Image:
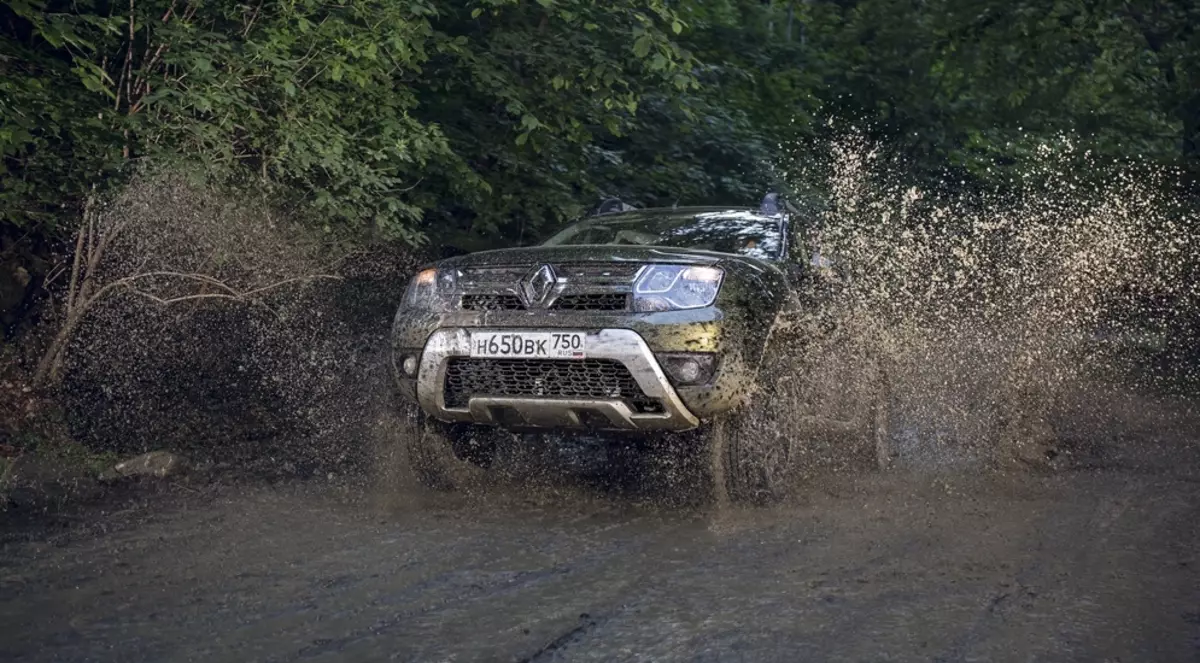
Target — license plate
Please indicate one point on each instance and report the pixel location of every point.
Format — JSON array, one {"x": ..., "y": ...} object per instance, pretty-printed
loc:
[{"x": 541, "y": 345}]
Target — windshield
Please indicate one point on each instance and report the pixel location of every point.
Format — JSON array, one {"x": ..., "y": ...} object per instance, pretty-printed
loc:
[{"x": 742, "y": 233}]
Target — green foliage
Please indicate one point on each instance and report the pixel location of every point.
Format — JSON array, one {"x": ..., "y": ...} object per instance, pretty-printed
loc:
[
  {"x": 337, "y": 107},
  {"x": 54, "y": 136},
  {"x": 305, "y": 94},
  {"x": 525, "y": 94},
  {"x": 475, "y": 121},
  {"x": 977, "y": 85}
]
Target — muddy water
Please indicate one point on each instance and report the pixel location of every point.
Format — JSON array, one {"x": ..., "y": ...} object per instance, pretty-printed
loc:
[
  {"x": 994, "y": 318},
  {"x": 1098, "y": 561}
]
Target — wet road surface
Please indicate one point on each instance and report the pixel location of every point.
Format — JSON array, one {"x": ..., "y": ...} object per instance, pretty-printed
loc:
[{"x": 1096, "y": 563}]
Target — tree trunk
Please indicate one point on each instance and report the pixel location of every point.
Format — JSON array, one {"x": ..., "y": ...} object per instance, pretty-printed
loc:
[{"x": 49, "y": 368}]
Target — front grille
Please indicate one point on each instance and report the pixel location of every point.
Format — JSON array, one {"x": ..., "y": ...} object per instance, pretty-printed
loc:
[
  {"x": 492, "y": 303},
  {"x": 614, "y": 301},
  {"x": 548, "y": 378},
  {"x": 608, "y": 301},
  {"x": 491, "y": 275},
  {"x": 584, "y": 287},
  {"x": 600, "y": 273}
]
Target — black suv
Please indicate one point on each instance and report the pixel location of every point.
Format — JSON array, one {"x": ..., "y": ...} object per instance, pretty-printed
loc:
[{"x": 648, "y": 322}]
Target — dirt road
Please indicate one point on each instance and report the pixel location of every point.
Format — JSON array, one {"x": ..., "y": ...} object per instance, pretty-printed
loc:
[{"x": 1099, "y": 562}]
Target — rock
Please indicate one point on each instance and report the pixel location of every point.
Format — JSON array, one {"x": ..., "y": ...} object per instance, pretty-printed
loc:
[
  {"x": 38, "y": 469},
  {"x": 38, "y": 481},
  {"x": 158, "y": 464},
  {"x": 109, "y": 475}
]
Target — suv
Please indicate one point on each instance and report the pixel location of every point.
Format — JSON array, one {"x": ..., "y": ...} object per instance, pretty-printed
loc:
[{"x": 650, "y": 322}]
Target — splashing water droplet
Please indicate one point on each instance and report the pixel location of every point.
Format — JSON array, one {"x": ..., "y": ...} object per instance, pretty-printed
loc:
[{"x": 996, "y": 317}]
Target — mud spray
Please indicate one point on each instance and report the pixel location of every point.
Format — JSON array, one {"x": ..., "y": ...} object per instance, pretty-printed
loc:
[
  {"x": 239, "y": 336},
  {"x": 987, "y": 328},
  {"x": 993, "y": 327}
]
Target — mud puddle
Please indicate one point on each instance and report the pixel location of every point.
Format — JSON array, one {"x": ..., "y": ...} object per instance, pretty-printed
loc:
[{"x": 1096, "y": 561}]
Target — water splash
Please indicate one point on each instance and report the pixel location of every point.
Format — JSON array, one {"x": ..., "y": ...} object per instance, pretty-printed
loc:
[
  {"x": 987, "y": 323},
  {"x": 990, "y": 320},
  {"x": 285, "y": 377}
]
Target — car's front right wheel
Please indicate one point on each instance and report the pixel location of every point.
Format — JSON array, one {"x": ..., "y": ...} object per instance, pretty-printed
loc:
[{"x": 747, "y": 463}]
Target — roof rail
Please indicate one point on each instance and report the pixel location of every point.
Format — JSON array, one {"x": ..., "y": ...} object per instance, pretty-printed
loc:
[{"x": 613, "y": 206}]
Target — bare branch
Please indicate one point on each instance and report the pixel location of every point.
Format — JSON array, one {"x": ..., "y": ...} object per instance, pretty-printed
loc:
[
  {"x": 184, "y": 298},
  {"x": 148, "y": 62},
  {"x": 141, "y": 85},
  {"x": 250, "y": 23},
  {"x": 202, "y": 278},
  {"x": 77, "y": 261},
  {"x": 56, "y": 271},
  {"x": 129, "y": 60},
  {"x": 230, "y": 293},
  {"x": 284, "y": 282},
  {"x": 127, "y": 67},
  {"x": 167, "y": 301},
  {"x": 407, "y": 188},
  {"x": 95, "y": 255},
  {"x": 89, "y": 217}
]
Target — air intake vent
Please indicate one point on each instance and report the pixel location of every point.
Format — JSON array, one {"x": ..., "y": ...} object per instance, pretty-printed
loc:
[
  {"x": 613, "y": 301},
  {"x": 546, "y": 378},
  {"x": 492, "y": 303}
]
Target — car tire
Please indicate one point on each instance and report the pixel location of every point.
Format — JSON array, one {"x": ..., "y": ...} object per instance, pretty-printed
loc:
[
  {"x": 435, "y": 454},
  {"x": 749, "y": 460},
  {"x": 747, "y": 465}
]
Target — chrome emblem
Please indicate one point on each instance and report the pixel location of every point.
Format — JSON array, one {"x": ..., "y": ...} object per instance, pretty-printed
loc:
[{"x": 538, "y": 286}]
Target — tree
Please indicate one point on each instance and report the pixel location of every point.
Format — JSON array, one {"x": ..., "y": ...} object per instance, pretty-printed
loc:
[
  {"x": 527, "y": 93},
  {"x": 339, "y": 108},
  {"x": 976, "y": 86}
]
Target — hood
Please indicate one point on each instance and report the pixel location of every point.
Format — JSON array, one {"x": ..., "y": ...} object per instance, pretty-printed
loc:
[{"x": 598, "y": 253}]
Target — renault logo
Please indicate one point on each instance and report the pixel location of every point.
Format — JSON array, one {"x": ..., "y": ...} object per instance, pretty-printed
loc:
[{"x": 538, "y": 286}]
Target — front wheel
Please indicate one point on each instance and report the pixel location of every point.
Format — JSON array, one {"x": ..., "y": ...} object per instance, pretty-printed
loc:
[
  {"x": 747, "y": 463},
  {"x": 443, "y": 457}
]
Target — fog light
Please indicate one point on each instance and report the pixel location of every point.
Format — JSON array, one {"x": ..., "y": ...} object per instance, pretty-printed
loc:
[
  {"x": 409, "y": 366},
  {"x": 689, "y": 368}
]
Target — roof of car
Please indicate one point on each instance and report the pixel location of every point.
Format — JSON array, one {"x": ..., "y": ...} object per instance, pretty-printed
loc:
[{"x": 677, "y": 211}]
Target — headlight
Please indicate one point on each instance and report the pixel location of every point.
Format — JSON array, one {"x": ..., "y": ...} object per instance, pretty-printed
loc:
[
  {"x": 676, "y": 287},
  {"x": 432, "y": 290}
]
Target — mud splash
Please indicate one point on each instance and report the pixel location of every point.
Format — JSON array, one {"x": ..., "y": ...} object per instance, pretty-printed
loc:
[
  {"x": 988, "y": 326},
  {"x": 991, "y": 326},
  {"x": 239, "y": 336}
]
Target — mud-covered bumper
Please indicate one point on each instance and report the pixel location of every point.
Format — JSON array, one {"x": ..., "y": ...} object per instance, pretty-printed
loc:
[
  {"x": 733, "y": 342},
  {"x": 622, "y": 346}
]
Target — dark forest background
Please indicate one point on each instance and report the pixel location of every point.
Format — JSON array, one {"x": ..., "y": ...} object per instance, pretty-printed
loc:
[
  {"x": 472, "y": 122},
  {"x": 384, "y": 129}
]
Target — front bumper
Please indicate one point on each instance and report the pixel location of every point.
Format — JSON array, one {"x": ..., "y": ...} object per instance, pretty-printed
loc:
[{"x": 621, "y": 345}]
